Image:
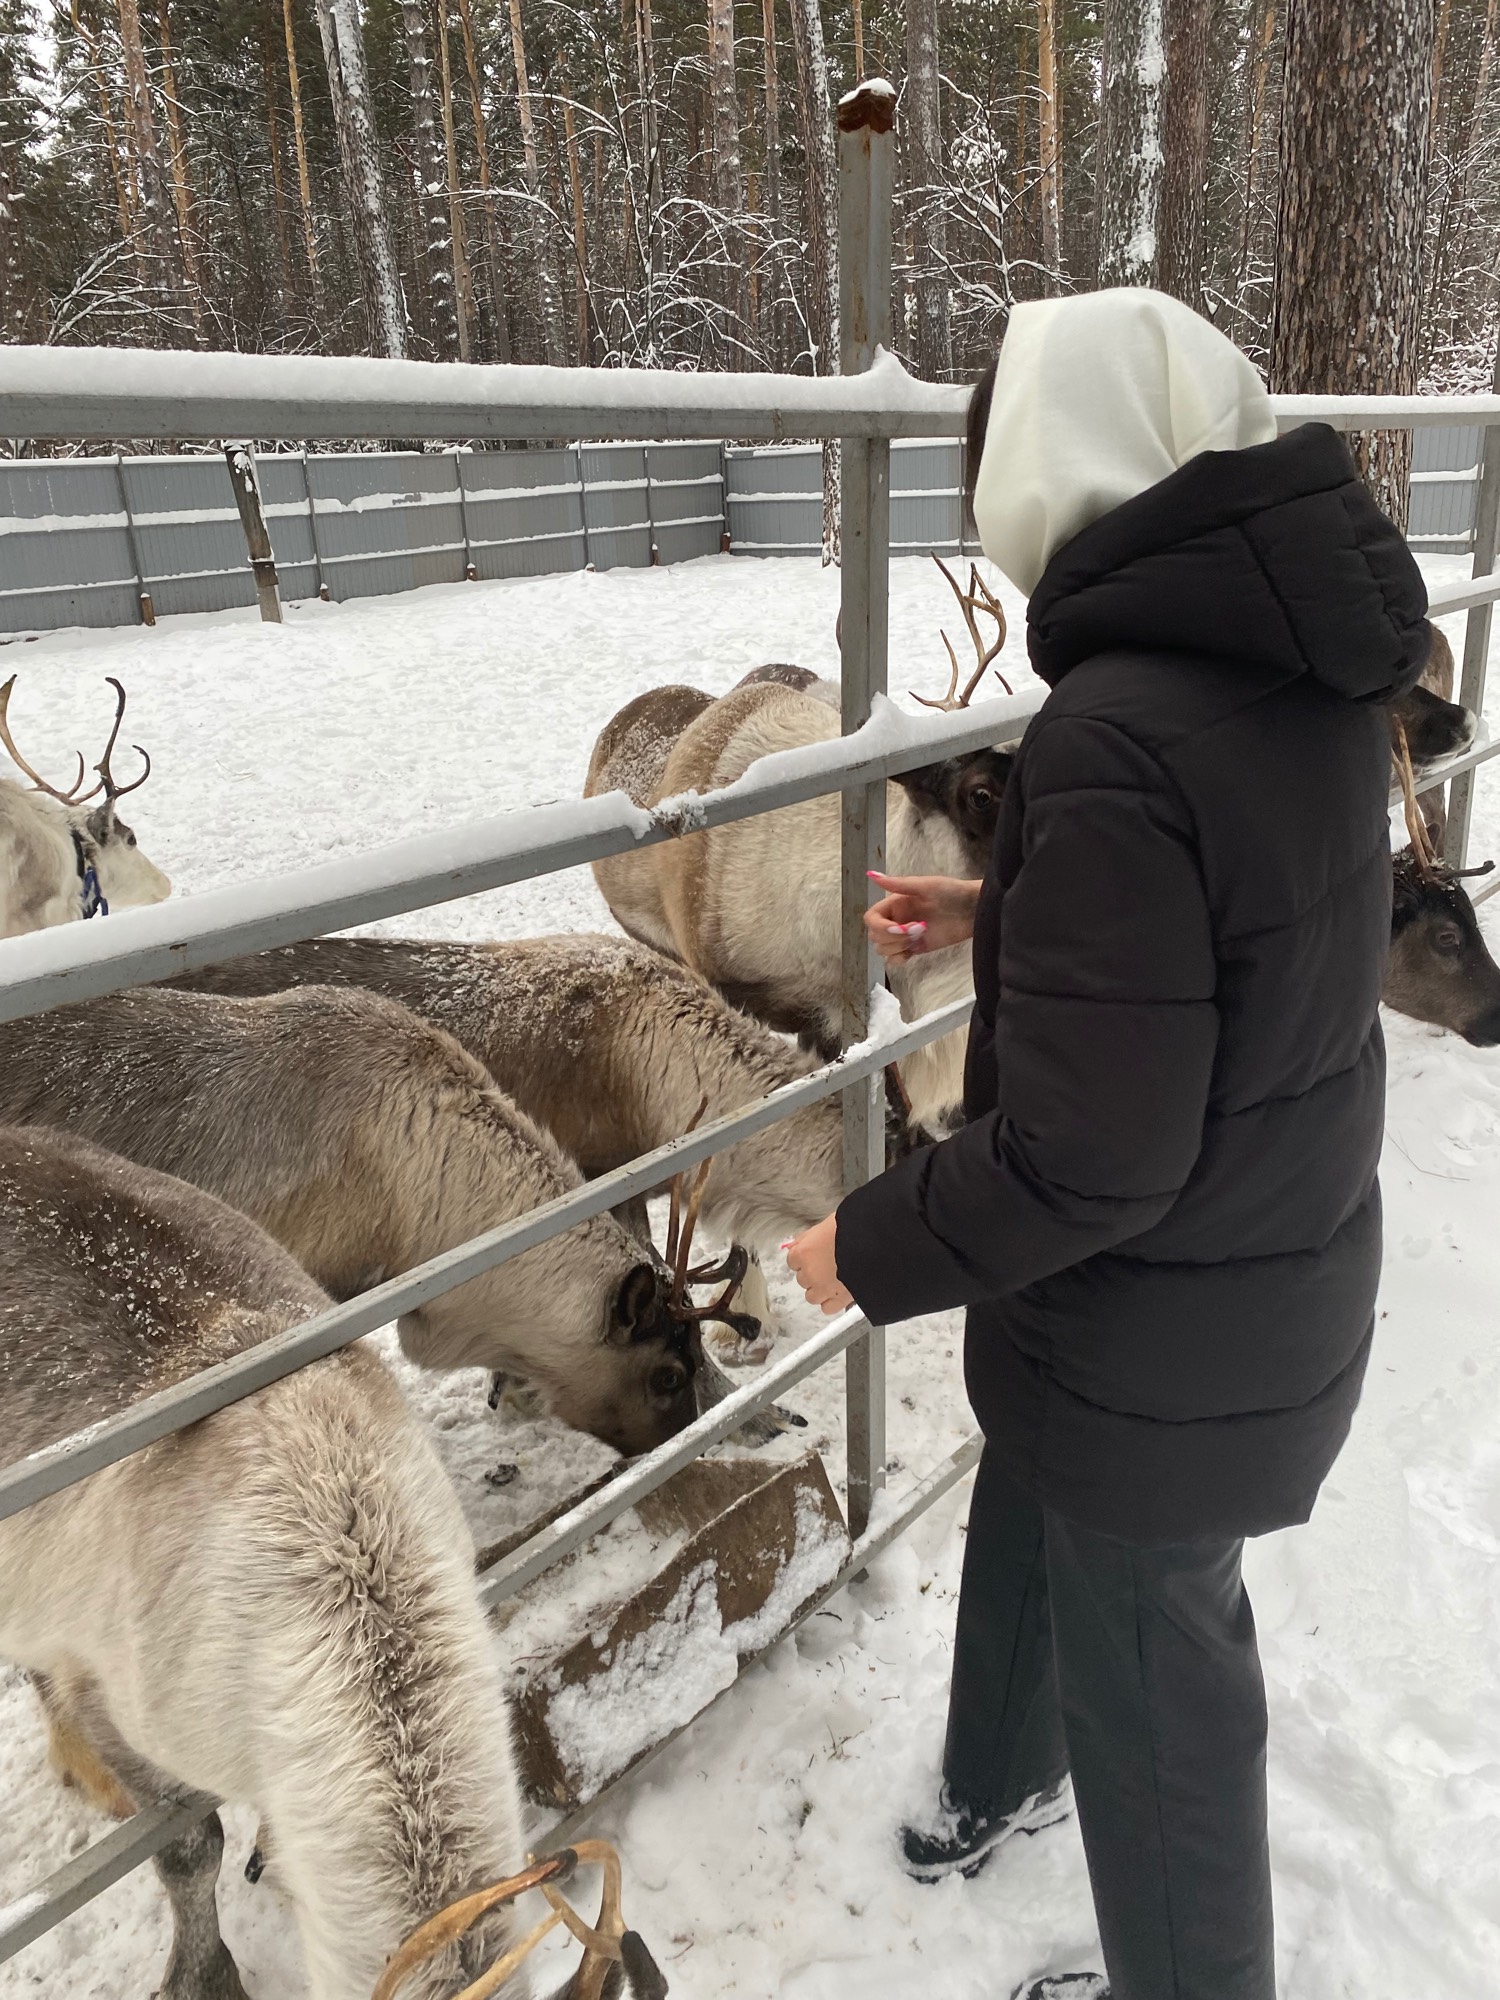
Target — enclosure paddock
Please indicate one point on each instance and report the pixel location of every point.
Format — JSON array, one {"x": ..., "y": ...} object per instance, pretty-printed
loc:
[{"x": 73, "y": 393}]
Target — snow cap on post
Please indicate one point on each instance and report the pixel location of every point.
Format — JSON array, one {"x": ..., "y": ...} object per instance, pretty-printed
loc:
[
  {"x": 1097, "y": 398},
  {"x": 869, "y": 107}
]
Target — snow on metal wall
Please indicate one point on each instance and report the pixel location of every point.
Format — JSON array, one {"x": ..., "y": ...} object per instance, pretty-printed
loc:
[{"x": 80, "y": 538}]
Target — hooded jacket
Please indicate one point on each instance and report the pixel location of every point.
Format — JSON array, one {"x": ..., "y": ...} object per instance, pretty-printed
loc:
[{"x": 1163, "y": 1212}]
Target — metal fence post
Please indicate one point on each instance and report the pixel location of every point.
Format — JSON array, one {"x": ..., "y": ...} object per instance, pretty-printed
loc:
[
  {"x": 865, "y": 118},
  {"x": 240, "y": 458},
  {"x": 471, "y": 575},
  {"x": 143, "y": 596},
  {"x": 1476, "y": 633},
  {"x": 312, "y": 527}
]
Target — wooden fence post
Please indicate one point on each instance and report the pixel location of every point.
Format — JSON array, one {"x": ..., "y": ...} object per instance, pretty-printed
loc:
[
  {"x": 240, "y": 458},
  {"x": 865, "y": 119}
]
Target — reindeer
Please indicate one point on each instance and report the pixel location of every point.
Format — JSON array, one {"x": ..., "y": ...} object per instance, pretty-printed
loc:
[
  {"x": 754, "y": 906},
  {"x": 366, "y": 1141},
  {"x": 60, "y": 860},
  {"x": 1440, "y": 969},
  {"x": 275, "y": 1606},
  {"x": 610, "y": 1047},
  {"x": 1433, "y": 727}
]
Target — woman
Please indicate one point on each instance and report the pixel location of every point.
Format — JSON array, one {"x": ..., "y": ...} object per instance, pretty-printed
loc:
[{"x": 1162, "y": 1213}]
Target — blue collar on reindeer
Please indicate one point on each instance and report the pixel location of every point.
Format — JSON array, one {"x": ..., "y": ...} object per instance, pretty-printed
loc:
[{"x": 91, "y": 901}]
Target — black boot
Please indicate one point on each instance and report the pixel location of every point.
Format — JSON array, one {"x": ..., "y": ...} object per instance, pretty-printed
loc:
[
  {"x": 1065, "y": 1986},
  {"x": 962, "y": 1836}
]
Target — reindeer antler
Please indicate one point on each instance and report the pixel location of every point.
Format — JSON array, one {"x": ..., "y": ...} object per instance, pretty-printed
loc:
[
  {"x": 978, "y": 597},
  {"x": 682, "y": 1221},
  {"x": 106, "y": 783},
  {"x": 68, "y": 798},
  {"x": 1428, "y": 864}
]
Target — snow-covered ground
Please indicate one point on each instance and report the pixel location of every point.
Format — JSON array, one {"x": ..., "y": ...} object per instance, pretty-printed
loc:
[{"x": 759, "y": 1848}]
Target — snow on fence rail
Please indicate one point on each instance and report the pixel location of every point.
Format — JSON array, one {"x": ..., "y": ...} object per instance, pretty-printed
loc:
[{"x": 74, "y": 393}]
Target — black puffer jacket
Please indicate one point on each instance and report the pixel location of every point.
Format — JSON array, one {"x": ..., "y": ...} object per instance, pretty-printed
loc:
[{"x": 1163, "y": 1212}]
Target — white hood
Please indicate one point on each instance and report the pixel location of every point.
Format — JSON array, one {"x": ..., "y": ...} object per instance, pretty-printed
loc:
[{"x": 1096, "y": 398}]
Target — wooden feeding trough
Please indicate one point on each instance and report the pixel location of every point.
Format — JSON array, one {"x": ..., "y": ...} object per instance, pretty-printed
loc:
[{"x": 727, "y": 1553}]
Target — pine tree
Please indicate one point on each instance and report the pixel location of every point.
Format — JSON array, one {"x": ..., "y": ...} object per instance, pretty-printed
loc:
[{"x": 1350, "y": 232}]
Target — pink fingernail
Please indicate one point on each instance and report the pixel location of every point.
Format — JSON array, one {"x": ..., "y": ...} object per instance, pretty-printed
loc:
[
  {"x": 788, "y": 1243},
  {"x": 914, "y": 930}
]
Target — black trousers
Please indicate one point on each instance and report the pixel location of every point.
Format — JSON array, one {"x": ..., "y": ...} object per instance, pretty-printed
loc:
[{"x": 1136, "y": 1669}]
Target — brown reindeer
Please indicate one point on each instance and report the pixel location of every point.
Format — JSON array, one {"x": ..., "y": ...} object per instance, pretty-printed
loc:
[
  {"x": 610, "y": 1047},
  {"x": 367, "y": 1141},
  {"x": 63, "y": 859},
  {"x": 1434, "y": 726}
]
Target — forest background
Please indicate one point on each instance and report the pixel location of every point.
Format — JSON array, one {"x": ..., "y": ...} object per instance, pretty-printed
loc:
[{"x": 652, "y": 181}]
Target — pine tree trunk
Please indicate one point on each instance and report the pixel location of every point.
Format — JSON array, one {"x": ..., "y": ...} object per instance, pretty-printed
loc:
[
  {"x": 1347, "y": 304},
  {"x": 278, "y": 189},
  {"x": 354, "y": 126},
  {"x": 182, "y": 186},
  {"x": 645, "y": 59},
  {"x": 822, "y": 230},
  {"x": 463, "y": 282},
  {"x": 549, "y": 302},
  {"x": 1129, "y": 167},
  {"x": 1049, "y": 139},
  {"x": 498, "y": 288},
  {"x": 580, "y": 231},
  {"x": 123, "y": 208},
  {"x": 1262, "y": 34},
  {"x": 771, "y": 185},
  {"x": 156, "y": 221},
  {"x": 729, "y": 184},
  {"x": 1184, "y": 176},
  {"x": 926, "y": 193},
  {"x": 299, "y": 142},
  {"x": 432, "y": 207}
]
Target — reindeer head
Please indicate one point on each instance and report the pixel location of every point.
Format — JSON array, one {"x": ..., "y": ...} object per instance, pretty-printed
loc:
[
  {"x": 1440, "y": 968},
  {"x": 106, "y": 846}
]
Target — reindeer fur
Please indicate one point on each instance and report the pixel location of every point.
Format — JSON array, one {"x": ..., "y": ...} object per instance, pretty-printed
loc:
[
  {"x": 39, "y": 883},
  {"x": 366, "y": 1141},
  {"x": 275, "y": 1605},
  {"x": 754, "y": 906},
  {"x": 612, "y": 1048}
]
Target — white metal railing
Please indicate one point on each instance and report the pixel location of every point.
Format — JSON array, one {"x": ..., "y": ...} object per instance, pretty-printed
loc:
[{"x": 77, "y": 393}]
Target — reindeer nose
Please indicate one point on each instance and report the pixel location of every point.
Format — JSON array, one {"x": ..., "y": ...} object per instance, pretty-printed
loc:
[{"x": 1485, "y": 1032}]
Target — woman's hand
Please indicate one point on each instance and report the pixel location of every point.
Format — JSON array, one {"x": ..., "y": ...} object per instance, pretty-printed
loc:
[
  {"x": 920, "y": 913},
  {"x": 811, "y": 1257}
]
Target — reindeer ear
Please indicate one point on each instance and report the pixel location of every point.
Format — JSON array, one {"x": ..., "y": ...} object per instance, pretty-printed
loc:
[
  {"x": 101, "y": 822},
  {"x": 637, "y": 1305}
]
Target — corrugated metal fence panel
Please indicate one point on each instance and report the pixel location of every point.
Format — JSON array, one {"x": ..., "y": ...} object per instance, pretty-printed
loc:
[
  {"x": 1442, "y": 507},
  {"x": 614, "y": 505},
  {"x": 775, "y": 498},
  {"x": 387, "y": 521},
  {"x": 65, "y": 556},
  {"x": 283, "y": 494},
  {"x": 686, "y": 498},
  {"x": 188, "y": 532},
  {"x": 926, "y": 497},
  {"x": 525, "y": 512}
]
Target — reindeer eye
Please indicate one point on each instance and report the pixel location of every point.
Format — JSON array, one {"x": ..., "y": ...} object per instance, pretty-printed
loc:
[
  {"x": 667, "y": 1382},
  {"x": 1448, "y": 941},
  {"x": 982, "y": 797},
  {"x": 130, "y": 840}
]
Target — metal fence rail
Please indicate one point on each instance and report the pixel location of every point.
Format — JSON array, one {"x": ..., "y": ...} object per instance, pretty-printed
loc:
[{"x": 60, "y": 392}]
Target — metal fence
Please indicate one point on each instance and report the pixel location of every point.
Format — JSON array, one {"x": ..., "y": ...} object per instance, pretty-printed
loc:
[
  {"x": 152, "y": 394},
  {"x": 83, "y": 539}
]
